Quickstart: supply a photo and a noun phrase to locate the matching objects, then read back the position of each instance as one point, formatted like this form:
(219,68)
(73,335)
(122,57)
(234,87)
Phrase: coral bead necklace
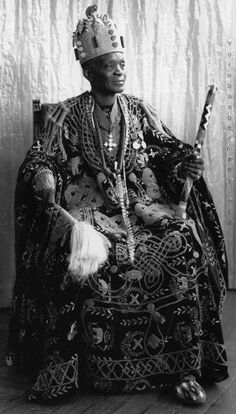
(120,187)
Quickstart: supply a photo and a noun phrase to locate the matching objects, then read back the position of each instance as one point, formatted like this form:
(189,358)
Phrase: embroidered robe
(130,326)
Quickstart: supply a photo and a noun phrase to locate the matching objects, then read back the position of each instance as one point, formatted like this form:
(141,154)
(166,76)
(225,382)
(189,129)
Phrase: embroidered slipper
(189,391)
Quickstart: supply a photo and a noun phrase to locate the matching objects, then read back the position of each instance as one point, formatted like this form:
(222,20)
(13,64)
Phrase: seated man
(113,290)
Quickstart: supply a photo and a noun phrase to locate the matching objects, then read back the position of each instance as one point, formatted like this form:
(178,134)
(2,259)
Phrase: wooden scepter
(182,206)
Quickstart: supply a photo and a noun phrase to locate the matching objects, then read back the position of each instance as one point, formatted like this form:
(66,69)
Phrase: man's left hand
(192,166)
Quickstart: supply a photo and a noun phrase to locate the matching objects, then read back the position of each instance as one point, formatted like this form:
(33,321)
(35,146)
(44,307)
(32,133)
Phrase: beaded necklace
(121,187)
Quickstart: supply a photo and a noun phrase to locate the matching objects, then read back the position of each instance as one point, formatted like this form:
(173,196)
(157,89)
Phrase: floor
(221,398)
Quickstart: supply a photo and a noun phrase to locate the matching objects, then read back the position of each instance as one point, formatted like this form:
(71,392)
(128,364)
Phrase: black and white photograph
(118,207)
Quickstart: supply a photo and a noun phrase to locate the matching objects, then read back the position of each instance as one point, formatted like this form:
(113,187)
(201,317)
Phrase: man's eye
(109,66)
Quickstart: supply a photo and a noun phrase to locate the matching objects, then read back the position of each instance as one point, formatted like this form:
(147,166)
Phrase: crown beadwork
(95,36)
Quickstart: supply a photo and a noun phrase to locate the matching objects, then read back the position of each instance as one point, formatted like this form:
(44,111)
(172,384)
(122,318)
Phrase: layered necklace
(120,187)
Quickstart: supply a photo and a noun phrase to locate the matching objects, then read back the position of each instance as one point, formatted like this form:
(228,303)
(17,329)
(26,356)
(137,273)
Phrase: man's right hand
(44,185)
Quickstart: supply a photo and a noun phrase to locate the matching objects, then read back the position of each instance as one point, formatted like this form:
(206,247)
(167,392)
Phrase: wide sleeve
(165,154)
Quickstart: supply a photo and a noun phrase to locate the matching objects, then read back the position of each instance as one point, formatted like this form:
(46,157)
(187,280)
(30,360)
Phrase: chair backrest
(40,114)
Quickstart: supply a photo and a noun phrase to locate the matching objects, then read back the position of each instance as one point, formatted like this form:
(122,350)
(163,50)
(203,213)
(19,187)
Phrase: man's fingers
(196,166)
(193,172)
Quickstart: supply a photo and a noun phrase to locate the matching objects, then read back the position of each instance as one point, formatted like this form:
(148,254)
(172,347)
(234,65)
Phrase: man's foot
(190,392)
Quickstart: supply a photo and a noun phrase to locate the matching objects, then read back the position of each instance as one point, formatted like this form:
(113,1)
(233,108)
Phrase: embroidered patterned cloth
(133,326)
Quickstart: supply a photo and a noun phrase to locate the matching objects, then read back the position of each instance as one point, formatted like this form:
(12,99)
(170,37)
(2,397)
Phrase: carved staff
(181,208)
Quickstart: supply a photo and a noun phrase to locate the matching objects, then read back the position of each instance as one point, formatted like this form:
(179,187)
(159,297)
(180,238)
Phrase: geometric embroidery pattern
(214,352)
(139,368)
(56,380)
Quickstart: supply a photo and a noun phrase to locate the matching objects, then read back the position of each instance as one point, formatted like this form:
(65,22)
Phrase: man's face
(108,75)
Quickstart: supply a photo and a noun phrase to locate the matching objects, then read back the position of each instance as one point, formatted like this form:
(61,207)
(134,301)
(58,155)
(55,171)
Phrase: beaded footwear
(190,392)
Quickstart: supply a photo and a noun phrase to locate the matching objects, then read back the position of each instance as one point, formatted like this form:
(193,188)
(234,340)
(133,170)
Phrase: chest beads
(124,204)
(120,187)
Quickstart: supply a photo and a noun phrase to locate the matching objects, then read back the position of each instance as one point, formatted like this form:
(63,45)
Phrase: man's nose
(118,70)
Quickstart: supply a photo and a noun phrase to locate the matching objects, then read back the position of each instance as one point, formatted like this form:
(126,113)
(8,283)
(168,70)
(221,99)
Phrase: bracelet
(47,183)
(43,171)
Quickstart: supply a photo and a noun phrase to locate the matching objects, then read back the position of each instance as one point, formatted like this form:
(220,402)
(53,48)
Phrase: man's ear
(88,74)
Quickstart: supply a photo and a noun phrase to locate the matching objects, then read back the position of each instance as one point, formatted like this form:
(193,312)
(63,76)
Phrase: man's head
(106,73)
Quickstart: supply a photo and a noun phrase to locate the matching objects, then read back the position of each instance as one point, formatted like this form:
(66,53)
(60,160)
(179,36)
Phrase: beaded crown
(95,36)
